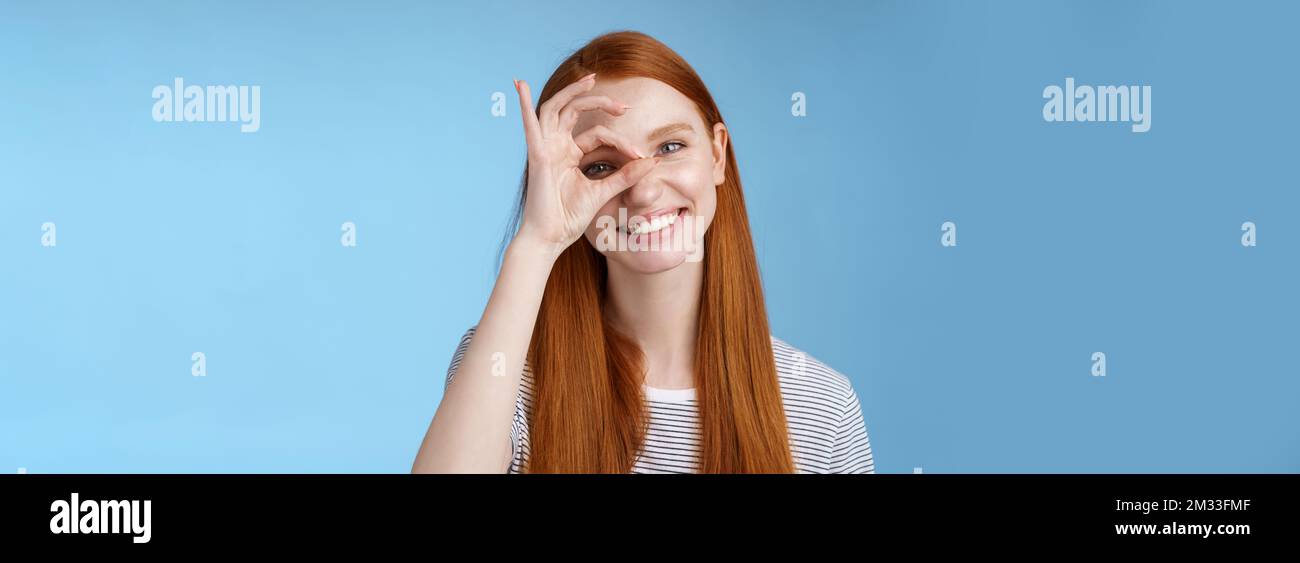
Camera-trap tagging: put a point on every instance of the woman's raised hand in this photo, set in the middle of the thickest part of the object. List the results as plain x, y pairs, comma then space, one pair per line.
561, 200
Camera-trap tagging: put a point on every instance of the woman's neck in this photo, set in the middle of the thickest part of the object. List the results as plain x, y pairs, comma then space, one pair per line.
660, 312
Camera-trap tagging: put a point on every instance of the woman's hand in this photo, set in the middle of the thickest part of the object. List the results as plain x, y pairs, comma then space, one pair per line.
470, 431
561, 200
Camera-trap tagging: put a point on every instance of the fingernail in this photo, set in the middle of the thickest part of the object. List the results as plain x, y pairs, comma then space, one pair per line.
516, 80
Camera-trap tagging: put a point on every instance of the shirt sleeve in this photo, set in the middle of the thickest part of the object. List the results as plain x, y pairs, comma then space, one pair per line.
451, 374
852, 453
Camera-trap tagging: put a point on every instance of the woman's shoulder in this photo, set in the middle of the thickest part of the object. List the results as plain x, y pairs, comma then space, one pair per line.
798, 368
459, 354
463, 346
469, 333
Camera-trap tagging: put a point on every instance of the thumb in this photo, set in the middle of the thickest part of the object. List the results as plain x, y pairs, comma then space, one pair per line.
626, 177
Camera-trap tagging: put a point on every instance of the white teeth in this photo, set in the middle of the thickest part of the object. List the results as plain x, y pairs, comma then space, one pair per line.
655, 225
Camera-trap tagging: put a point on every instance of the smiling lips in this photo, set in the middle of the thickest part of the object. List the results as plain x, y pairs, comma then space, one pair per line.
653, 223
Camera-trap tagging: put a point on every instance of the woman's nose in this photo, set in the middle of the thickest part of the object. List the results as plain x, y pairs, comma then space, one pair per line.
645, 192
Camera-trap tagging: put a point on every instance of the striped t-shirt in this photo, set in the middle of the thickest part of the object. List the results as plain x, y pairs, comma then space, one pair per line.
826, 428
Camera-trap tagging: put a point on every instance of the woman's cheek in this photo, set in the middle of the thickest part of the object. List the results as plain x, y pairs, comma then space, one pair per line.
701, 190
691, 180
594, 229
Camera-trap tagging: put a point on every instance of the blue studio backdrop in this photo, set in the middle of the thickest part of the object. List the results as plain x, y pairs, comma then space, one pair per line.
135, 250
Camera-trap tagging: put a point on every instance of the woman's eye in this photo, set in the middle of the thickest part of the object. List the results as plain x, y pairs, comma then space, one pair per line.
676, 146
596, 169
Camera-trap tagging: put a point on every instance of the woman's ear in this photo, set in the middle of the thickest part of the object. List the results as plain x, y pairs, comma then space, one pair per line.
720, 141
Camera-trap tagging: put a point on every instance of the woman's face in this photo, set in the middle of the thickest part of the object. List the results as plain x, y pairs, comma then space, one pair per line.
659, 222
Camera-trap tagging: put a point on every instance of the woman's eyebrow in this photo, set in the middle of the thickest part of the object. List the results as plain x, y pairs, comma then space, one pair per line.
670, 128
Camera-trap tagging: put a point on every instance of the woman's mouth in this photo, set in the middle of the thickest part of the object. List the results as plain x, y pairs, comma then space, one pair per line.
653, 223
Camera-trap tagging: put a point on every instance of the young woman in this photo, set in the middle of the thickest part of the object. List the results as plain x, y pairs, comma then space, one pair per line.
601, 351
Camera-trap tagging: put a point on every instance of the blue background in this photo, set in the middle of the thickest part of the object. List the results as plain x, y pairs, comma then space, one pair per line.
1072, 238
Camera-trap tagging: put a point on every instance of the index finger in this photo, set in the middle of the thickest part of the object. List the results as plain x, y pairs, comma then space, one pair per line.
550, 111
532, 129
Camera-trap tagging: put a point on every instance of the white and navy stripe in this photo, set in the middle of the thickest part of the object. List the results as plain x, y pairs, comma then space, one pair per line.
823, 415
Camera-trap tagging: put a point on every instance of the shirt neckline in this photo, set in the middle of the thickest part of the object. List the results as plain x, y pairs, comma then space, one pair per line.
668, 395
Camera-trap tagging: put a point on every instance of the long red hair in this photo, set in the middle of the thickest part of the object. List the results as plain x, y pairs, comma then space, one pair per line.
588, 411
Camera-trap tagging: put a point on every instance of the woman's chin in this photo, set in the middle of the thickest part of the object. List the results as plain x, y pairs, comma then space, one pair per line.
649, 262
